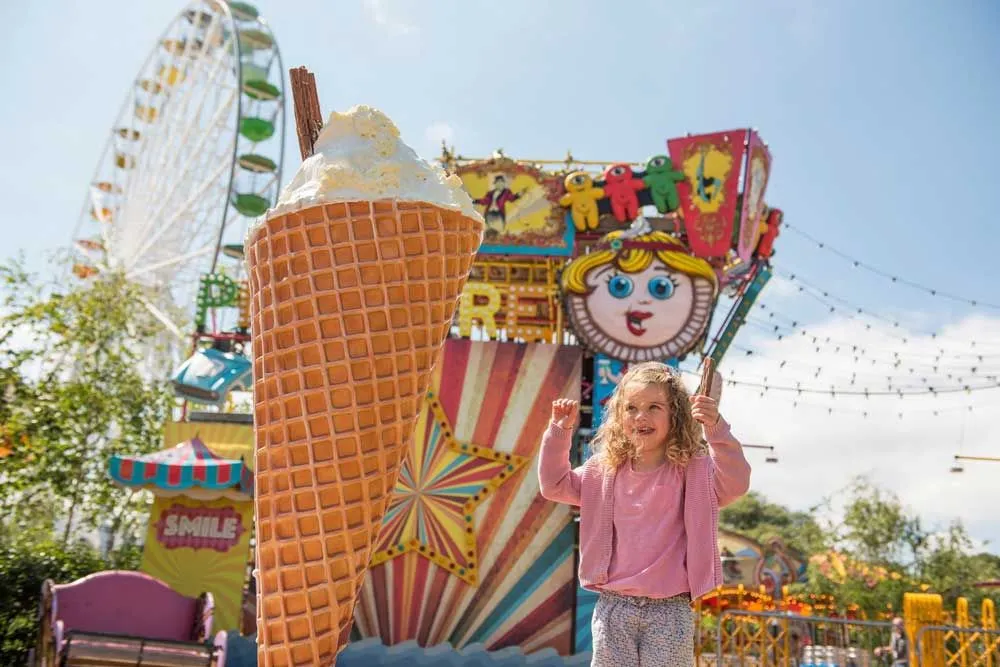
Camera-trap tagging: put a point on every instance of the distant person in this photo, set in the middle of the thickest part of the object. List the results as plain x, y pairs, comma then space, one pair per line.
898, 649
794, 647
649, 503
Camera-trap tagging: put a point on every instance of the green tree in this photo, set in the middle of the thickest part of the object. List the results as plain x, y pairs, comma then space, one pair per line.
25, 563
77, 388
756, 517
950, 567
873, 552
884, 550
878, 529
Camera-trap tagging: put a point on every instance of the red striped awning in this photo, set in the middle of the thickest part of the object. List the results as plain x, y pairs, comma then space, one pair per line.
188, 465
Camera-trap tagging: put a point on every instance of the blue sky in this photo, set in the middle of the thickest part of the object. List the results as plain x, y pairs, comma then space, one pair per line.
881, 116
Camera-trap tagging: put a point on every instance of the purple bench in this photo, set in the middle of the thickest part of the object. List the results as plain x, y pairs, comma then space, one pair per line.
121, 617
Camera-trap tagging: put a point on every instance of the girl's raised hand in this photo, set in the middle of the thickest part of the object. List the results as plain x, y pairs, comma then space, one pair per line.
705, 410
564, 412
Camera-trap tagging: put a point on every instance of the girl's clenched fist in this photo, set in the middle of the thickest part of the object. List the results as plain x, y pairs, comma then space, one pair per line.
564, 412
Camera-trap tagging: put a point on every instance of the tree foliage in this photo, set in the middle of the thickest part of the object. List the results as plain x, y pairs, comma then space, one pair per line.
873, 551
75, 389
25, 563
878, 529
754, 516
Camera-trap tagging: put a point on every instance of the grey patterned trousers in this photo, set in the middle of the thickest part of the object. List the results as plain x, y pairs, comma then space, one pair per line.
642, 632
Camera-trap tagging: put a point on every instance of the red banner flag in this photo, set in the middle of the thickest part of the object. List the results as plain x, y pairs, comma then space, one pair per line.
755, 185
711, 164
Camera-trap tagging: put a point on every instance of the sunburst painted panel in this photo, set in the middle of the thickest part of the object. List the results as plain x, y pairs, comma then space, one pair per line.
470, 552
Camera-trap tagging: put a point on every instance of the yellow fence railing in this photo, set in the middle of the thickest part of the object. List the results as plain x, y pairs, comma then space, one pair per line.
953, 646
758, 638
765, 639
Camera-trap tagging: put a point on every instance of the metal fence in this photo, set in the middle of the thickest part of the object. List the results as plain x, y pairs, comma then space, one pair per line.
765, 639
956, 646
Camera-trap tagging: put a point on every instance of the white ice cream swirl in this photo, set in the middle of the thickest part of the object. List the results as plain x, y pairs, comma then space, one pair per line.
359, 156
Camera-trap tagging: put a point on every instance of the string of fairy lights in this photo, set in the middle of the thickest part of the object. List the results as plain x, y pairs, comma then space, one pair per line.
856, 374
858, 362
895, 279
913, 364
867, 356
838, 305
864, 360
779, 320
895, 411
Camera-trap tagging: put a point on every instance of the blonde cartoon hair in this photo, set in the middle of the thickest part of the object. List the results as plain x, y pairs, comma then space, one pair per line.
633, 260
611, 443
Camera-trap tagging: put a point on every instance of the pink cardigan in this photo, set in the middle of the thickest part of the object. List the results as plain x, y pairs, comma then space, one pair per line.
710, 482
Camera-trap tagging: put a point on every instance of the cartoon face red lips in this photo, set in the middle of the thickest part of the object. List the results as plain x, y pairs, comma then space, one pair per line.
634, 320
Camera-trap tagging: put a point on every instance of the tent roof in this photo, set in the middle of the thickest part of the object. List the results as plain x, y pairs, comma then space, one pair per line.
189, 465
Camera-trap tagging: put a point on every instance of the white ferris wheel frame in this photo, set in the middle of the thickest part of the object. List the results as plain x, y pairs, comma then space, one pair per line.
166, 218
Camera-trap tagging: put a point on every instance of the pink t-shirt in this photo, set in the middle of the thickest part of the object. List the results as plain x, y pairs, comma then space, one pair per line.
709, 482
650, 547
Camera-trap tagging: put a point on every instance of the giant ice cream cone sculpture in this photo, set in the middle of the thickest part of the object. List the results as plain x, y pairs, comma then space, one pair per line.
354, 279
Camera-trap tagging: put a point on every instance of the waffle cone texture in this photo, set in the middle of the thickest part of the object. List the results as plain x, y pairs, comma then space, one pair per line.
350, 306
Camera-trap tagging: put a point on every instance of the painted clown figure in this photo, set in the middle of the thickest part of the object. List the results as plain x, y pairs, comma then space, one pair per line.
495, 201
640, 297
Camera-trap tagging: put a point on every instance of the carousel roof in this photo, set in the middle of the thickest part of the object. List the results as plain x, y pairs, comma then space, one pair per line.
187, 466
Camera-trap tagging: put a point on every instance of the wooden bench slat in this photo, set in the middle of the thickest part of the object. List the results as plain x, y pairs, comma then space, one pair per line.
91, 650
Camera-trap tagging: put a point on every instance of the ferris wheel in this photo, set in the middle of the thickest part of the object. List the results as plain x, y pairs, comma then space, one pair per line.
194, 154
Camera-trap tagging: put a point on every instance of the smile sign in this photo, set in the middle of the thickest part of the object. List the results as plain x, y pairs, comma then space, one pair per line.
217, 528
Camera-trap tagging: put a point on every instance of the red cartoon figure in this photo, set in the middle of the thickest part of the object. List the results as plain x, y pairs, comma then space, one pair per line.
621, 187
765, 247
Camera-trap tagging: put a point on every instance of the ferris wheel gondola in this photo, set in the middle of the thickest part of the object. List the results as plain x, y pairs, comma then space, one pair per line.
194, 154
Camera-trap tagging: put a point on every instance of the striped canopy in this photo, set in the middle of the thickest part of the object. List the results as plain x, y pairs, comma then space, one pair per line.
189, 465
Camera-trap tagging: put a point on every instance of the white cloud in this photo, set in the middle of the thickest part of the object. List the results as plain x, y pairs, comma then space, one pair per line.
438, 132
821, 451
779, 288
385, 18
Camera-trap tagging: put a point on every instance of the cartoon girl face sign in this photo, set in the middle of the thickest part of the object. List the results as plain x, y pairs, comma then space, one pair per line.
646, 301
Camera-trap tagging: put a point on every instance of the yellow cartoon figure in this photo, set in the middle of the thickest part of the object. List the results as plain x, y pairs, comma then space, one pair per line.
581, 199
639, 298
707, 171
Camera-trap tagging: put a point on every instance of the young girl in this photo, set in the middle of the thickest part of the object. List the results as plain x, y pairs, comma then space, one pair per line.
649, 503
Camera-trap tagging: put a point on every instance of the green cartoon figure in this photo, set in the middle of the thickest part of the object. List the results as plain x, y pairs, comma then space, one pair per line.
661, 178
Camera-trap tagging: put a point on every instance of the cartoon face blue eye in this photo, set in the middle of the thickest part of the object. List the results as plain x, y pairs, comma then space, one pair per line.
661, 287
620, 286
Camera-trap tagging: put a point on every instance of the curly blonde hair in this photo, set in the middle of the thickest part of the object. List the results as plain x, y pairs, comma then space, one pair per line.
684, 442
634, 260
